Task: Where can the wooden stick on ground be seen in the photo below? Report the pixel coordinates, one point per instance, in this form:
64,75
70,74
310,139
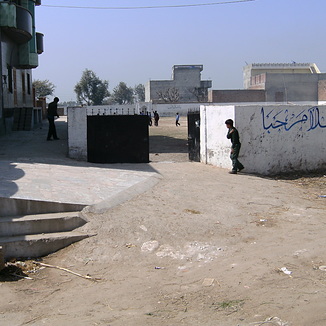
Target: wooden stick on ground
66,270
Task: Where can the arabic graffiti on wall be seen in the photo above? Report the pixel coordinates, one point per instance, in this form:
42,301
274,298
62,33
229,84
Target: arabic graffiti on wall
305,120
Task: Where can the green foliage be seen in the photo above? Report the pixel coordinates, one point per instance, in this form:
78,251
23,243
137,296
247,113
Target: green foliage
90,89
43,88
140,92
122,94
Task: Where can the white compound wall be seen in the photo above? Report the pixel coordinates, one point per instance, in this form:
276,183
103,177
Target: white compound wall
275,138
77,133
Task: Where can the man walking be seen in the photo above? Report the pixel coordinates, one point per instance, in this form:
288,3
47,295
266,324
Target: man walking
233,135
52,113
177,118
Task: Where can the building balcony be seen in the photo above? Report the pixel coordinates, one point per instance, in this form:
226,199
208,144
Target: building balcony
39,43
16,22
26,58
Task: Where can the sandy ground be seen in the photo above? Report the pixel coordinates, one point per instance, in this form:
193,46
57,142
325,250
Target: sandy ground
202,247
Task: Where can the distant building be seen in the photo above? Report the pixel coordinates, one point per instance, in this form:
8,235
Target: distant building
276,82
252,71
186,86
20,46
296,82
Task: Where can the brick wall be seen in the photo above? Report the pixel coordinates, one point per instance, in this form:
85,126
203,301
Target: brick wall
236,96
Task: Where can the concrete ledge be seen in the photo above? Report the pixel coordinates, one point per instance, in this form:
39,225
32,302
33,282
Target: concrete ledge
38,245
40,223
15,207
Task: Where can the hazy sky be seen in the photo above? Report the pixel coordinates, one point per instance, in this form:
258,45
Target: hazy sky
135,46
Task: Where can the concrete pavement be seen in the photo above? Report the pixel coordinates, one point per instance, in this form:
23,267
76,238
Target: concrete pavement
33,169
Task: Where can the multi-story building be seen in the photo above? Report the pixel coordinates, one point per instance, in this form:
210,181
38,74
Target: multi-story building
186,86
20,46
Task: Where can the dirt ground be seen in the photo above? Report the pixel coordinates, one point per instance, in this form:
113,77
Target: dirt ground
202,247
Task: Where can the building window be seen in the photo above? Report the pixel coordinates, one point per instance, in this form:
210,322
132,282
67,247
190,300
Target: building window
9,72
24,87
15,86
28,84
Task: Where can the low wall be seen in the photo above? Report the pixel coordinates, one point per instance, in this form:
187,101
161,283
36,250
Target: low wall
164,110
275,138
118,109
77,133
169,110
26,118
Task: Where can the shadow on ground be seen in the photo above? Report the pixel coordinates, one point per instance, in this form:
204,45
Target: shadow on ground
166,144
9,173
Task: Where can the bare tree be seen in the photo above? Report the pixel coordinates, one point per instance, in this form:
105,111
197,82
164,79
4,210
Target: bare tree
200,93
170,95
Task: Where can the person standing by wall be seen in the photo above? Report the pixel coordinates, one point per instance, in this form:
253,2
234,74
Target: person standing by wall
156,118
52,113
233,135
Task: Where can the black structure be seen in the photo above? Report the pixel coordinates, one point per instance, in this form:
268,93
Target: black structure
194,136
117,139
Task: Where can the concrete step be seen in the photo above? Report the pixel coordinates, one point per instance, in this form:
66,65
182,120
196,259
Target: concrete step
38,245
40,223
19,206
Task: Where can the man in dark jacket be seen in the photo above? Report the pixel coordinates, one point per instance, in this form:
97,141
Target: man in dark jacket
52,113
233,134
156,118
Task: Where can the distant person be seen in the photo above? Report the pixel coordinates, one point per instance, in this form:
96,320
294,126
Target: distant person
233,134
150,122
52,113
177,118
156,118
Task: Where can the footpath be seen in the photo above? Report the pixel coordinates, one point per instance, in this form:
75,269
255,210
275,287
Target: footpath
32,168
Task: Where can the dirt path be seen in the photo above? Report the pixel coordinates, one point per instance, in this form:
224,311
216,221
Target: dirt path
168,143
201,248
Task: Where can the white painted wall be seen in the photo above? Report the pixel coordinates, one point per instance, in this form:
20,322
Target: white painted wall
275,138
164,110
119,109
77,133
214,146
169,110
